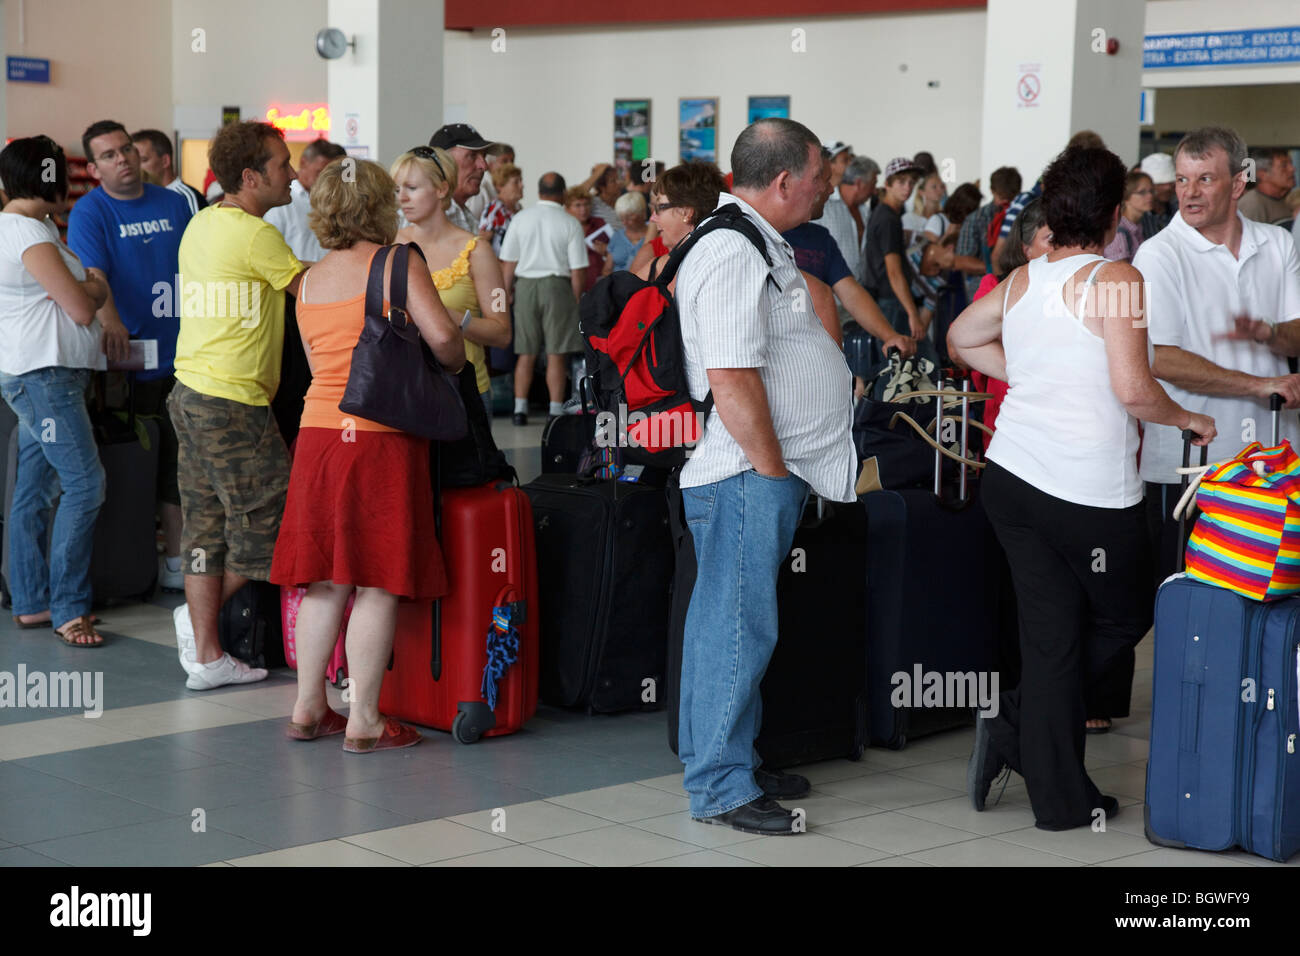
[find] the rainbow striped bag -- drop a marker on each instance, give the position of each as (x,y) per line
(1247,538)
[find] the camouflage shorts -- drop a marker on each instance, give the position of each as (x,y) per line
(233,472)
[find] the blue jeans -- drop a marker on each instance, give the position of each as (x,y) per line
(743,528)
(56,449)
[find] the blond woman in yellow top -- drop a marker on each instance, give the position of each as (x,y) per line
(465,270)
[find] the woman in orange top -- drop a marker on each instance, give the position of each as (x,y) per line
(359,513)
(465,270)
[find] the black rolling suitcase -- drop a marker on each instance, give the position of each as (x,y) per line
(249,625)
(814,693)
(939,601)
(605,568)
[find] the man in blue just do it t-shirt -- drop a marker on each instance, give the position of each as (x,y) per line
(132,231)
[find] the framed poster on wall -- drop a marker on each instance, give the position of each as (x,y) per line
(697,129)
(761,107)
(631,133)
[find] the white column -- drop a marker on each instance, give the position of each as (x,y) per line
(1047,75)
(386,92)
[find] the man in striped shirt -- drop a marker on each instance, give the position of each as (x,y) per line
(779,427)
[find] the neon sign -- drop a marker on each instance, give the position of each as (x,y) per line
(312,118)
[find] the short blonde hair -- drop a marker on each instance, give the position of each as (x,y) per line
(632,202)
(353,201)
(576,194)
(435,163)
(504,173)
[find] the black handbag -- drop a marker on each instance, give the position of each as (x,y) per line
(395,378)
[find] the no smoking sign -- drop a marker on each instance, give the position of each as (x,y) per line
(1029,85)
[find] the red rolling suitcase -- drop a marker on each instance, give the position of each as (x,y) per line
(441,650)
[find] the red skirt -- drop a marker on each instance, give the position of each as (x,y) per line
(360,513)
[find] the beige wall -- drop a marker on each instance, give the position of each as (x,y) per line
(862,79)
(254,53)
(1263,115)
(107,61)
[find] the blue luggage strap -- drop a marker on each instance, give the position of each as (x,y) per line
(502,650)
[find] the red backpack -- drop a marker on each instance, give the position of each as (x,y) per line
(635,356)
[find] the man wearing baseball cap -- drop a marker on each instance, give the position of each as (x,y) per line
(885,270)
(841,156)
(467,148)
(1160,167)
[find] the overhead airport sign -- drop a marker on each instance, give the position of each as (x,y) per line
(1222,48)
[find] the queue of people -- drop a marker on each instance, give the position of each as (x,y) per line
(1219,293)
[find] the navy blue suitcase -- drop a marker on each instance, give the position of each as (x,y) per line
(1223,769)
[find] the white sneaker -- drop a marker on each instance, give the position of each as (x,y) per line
(226,670)
(186,648)
(168,579)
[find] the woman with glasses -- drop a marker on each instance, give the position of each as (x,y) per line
(51,342)
(465,270)
(681,198)
(1139,198)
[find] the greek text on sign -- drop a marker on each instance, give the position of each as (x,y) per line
(1029,85)
(1223,48)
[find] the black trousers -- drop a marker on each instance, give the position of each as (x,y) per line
(1081,576)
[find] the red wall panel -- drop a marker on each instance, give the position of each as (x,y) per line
(471,14)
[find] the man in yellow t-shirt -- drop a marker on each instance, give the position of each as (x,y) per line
(232,467)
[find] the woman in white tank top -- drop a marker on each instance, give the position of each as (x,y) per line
(1061,489)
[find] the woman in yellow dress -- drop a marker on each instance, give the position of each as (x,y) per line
(465,270)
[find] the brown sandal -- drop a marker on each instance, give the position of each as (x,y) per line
(74,633)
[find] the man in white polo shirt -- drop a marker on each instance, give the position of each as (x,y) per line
(544,248)
(779,427)
(1222,297)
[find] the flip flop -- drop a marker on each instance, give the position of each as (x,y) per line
(78,627)
(37,625)
(331,723)
(395,735)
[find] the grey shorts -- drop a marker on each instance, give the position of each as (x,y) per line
(546,317)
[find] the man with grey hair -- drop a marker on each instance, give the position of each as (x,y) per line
(845,215)
(1222,296)
(1274,178)
(779,427)
(291,220)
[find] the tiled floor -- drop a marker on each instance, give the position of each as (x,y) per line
(167,776)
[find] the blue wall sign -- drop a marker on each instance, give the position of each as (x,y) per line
(26,69)
(1224,48)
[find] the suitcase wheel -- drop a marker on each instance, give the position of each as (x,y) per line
(340,678)
(463,730)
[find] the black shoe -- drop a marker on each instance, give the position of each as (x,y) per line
(780,785)
(1109,805)
(519,418)
(762,815)
(984,766)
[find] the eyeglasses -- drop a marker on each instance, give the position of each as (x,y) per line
(425,152)
(664,206)
(111,154)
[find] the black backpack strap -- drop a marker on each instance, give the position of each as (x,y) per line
(724,217)
(654,268)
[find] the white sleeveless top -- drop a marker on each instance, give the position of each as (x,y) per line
(1061,428)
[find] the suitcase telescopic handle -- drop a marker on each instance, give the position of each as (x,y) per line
(1275,406)
(1189,436)
(435,645)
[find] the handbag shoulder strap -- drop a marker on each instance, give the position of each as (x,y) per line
(401,272)
(375,282)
